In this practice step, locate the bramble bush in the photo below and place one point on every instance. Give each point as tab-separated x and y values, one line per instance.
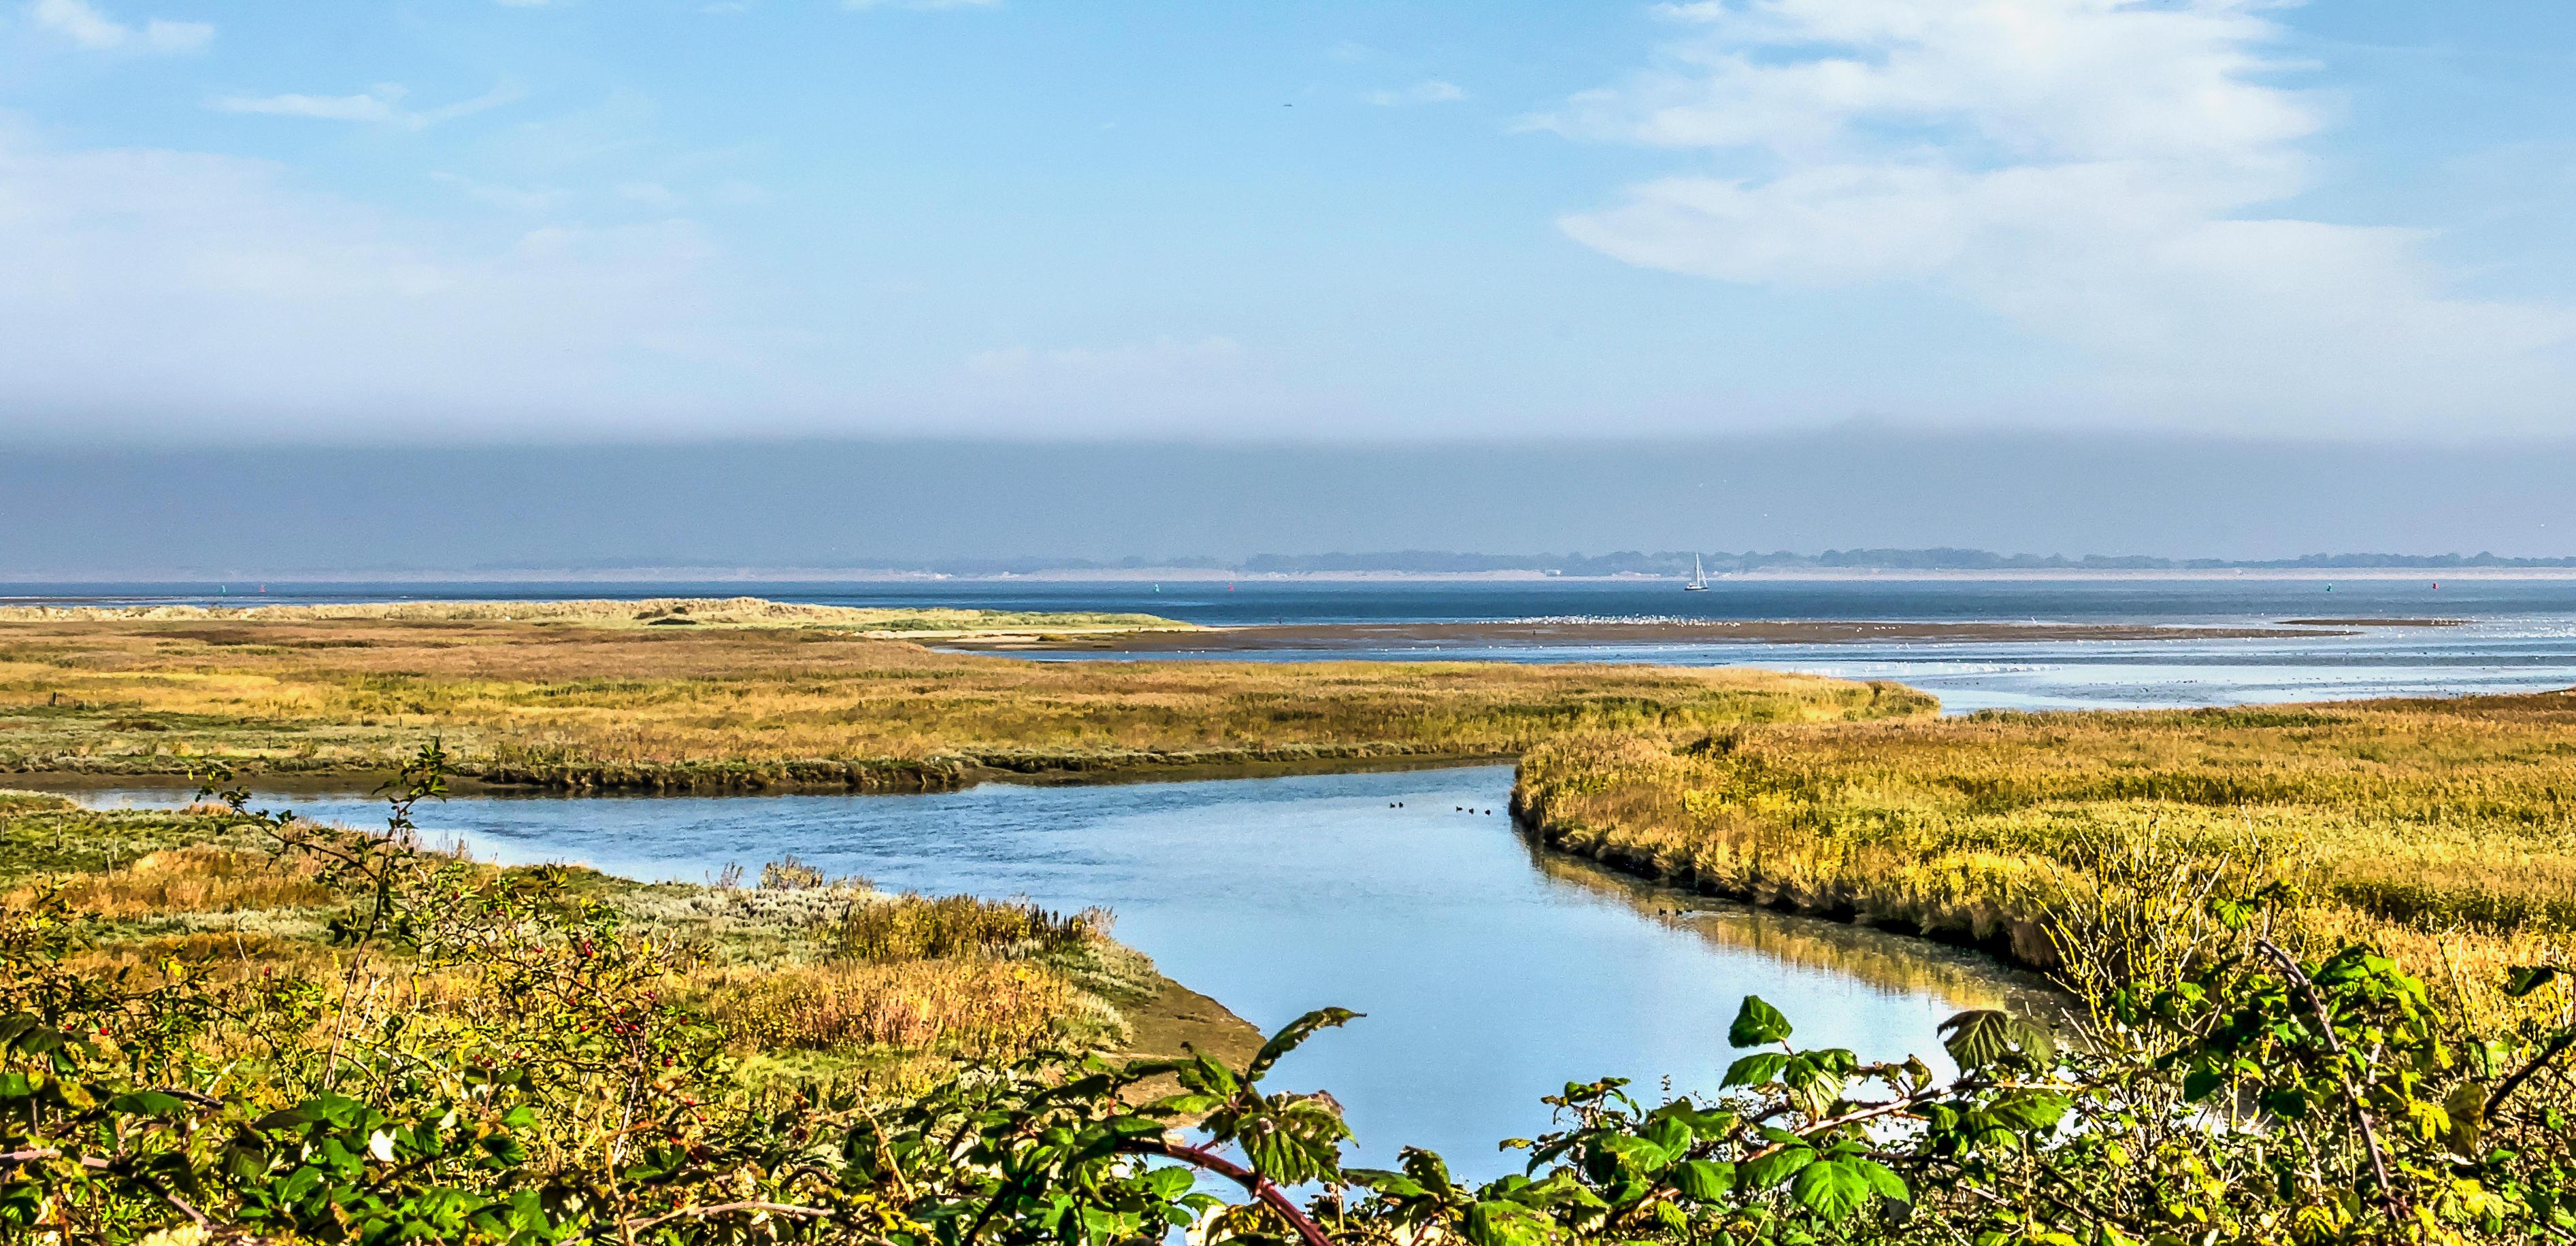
503	1066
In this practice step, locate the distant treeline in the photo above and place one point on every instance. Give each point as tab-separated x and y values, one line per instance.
1632	562
1940	558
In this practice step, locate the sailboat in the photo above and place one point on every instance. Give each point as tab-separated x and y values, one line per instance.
1699	579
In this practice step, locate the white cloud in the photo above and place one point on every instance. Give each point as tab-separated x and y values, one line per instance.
180	293
380	104
2097	171
84	24
1433	91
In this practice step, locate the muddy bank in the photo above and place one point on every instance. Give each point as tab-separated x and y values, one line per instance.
888	776
1330	637
1175	1022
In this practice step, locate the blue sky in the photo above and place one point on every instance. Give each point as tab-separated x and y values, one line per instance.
610	219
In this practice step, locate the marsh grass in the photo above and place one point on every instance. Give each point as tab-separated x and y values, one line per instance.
198	879
980	1009
852	982
911	927
2445	831
582	706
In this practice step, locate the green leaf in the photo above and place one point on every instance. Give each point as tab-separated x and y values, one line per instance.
2030	1111
2199	1084
1756	1024
1772	1169
2528	978
1501	1224
1883	1180
147	1103
1638	1156
1756	1069
1169	1183
1428	1169
1668	1134
1982	1036
1293	1034
1559	1190
1834	1188
1393	1184
1705	1181
1704	1124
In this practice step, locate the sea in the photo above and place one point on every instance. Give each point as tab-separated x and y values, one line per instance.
2504	635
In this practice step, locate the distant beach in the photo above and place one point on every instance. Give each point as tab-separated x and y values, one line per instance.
1612	632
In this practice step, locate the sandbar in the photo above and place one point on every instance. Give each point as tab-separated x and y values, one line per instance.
1604	633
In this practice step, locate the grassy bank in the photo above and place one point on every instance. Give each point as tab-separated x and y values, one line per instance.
746	698
2442	831
803	975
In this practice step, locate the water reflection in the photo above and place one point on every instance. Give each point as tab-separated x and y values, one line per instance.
1960	978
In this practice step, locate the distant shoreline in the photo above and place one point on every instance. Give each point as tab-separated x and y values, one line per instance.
35	586
1355	637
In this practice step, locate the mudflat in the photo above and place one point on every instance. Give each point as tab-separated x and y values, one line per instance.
1363	636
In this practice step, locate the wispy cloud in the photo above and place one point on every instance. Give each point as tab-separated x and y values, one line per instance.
2103	173
1430	91
381	104
161	287
84	24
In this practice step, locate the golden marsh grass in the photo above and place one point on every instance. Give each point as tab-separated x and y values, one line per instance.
2445	831
574	704
867	983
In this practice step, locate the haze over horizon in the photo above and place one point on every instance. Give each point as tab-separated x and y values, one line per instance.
846	504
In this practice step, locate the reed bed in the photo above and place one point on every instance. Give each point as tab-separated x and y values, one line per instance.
2445	831
748	707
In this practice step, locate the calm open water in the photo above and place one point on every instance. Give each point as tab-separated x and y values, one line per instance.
1490	974
2520	635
